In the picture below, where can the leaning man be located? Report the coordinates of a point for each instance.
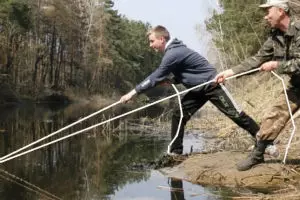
(281, 53)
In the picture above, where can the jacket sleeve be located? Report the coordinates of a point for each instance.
(265, 54)
(166, 66)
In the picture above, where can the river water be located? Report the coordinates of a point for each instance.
(89, 166)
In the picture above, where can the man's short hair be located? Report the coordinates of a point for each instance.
(160, 31)
(284, 4)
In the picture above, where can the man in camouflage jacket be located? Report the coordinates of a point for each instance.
(281, 53)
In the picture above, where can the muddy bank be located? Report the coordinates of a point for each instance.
(270, 180)
(219, 169)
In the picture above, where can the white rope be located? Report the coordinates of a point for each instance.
(243, 73)
(122, 115)
(29, 186)
(109, 120)
(291, 115)
(180, 121)
(58, 131)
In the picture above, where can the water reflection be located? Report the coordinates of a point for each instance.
(87, 166)
(176, 191)
(158, 187)
(91, 165)
(26, 185)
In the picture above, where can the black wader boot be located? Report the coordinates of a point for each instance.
(256, 156)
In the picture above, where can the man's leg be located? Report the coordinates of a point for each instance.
(273, 122)
(191, 102)
(255, 157)
(222, 99)
(275, 119)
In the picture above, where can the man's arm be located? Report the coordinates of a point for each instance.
(158, 76)
(221, 77)
(125, 98)
(264, 54)
(166, 66)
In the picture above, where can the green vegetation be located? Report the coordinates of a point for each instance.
(238, 30)
(86, 47)
(83, 47)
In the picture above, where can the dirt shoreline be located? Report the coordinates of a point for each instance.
(281, 181)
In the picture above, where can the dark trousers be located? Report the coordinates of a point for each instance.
(195, 99)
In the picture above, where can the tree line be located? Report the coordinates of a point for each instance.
(86, 47)
(81, 46)
(239, 29)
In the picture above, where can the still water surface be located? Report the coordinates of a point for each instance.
(89, 166)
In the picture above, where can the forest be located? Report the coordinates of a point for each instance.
(239, 30)
(85, 47)
(70, 47)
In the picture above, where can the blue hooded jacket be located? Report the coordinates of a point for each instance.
(187, 66)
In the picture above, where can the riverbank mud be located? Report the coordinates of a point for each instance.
(269, 180)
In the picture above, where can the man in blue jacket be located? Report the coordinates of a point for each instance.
(190, 69)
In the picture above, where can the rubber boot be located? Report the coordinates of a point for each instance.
(256, 157)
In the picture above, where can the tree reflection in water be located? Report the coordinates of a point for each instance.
(86, 166)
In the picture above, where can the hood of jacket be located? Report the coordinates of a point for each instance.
(174, 44)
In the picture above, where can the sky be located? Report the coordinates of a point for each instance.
(180, 17)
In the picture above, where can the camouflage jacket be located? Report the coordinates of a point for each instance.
(280, 46)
